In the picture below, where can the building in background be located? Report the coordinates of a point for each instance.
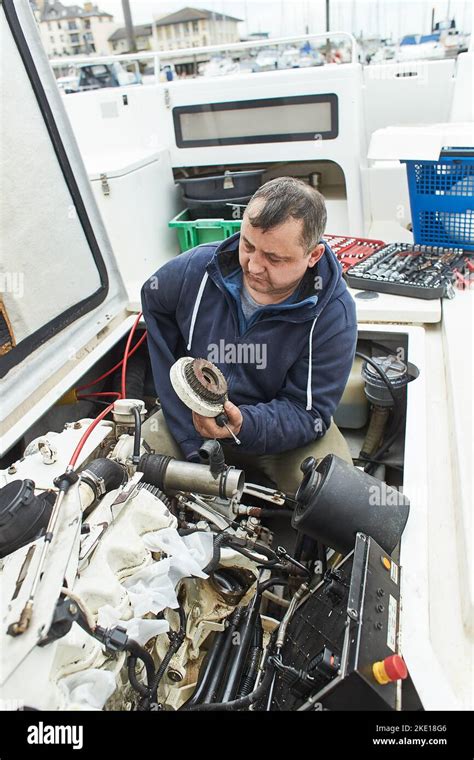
(73, 29)
(118, 41)
(194, 27)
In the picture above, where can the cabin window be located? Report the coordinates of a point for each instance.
(302, 117)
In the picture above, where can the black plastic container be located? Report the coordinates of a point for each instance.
(335, 501)
(227, 186)
(222, 208)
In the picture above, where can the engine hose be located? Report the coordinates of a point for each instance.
(242, 702)
(259, 561)
(391, 438)
(103, 473)
(257, 548)
(216, 554)
(140, 653)
(239, 654)
(137, 435)
(271, 582)
(215, 679)
(178, 639)
(253, 662)
(140, 688)
(375, 431)
(213, 656)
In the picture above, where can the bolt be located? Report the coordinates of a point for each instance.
(380, 592)
(380, 608)
(352, 613)
(77, 426)
(73, 609)
(378, 626)
(12, 469)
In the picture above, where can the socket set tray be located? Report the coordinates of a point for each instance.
(351, 250)
(419, 271)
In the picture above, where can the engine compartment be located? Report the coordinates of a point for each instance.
(169, 585)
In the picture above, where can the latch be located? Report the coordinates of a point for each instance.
(104, 183)
(167, 98)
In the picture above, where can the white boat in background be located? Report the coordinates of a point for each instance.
(91, 192)
(218, 67)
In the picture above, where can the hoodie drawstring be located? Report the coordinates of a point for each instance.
(309, 395)
(197, 304)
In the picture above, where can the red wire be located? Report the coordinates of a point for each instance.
(86, 435)
(109, 408)
(119, 364)
(126, 356)
(93, 395)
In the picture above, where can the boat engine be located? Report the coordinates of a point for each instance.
(135, 581)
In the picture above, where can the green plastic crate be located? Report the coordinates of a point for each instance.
(197, 231)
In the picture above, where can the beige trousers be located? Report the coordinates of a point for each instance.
(283, 469)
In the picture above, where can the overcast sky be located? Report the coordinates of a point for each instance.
(287, 17)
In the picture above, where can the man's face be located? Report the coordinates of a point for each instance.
(273, 262)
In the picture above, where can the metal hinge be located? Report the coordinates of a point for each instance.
(104, 183)
(167, 98)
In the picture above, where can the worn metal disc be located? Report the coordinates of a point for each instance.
(200, 385)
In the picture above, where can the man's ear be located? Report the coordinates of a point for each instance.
(315, 254)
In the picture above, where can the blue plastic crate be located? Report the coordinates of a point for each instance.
(442, 199)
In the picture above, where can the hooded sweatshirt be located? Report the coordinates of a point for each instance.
(286, 368)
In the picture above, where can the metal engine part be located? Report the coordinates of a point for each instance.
(200, 385)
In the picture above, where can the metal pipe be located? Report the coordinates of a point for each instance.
(172, 475)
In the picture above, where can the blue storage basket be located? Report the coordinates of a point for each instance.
(442, 199)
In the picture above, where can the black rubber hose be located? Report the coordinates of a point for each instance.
(253, 661)
(397, 412)
(256, 548)
(207, 669)
(228, 582)
(382, 374)
(215, 679)
(216, 554)
(242, 702)
(271, 582)
(178, 639)
(376, 457)
(239, 654)
(111, 472)
(137, 436)
(140, 688)
(140, 653)
(262, 563)
(276, 512)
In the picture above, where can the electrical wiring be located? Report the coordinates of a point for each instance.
(115, 367)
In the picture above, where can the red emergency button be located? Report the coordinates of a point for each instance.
(393, 668)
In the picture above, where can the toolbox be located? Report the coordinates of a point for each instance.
(352, 250)
(419, 271)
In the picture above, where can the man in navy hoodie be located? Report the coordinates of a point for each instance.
(269, 307)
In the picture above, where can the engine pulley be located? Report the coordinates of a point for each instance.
(200, 385)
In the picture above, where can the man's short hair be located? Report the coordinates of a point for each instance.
(287, 197)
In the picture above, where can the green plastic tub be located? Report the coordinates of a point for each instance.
(197, 231)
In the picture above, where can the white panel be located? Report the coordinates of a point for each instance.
(407, 93)
(463, 102)
(136, 213)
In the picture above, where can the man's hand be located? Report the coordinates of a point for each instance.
(208, 427)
